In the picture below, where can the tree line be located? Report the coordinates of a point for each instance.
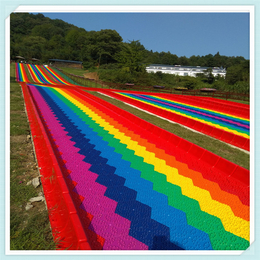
(37, 36)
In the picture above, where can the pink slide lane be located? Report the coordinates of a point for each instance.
(95, 203)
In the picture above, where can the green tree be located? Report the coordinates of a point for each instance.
(76, 39)
(46, 31)
(189, 82)
(209, 76)
(32, 47)
(77, 42)
(194, 60)
(206, 76)
(242, 87)
(184, 61)
(56, 42)
(234, 74)
(103, 45)
(131, 56)
(169, 59)
(209, 60)
(152, 57)
(217, 60)
(22, 23)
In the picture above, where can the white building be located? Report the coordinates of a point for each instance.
(184, 70)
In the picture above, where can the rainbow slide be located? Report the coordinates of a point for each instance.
(232, 127)
(40, 74)
(21, 75)
(132, 184)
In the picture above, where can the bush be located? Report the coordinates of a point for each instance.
(109, 66)
(107, 75)
(124, 77)
(220, 85)
(241, 87)
(88, 65)
(203, 85)
(189, 82)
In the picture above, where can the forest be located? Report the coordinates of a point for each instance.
(39, 37)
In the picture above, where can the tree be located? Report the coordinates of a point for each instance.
(151, 57)
(184, 61)
(22, 23)
(189, 82)
(209, 60)
(217, 60)
(46, 31)
(242, 87)
(77, 41)
(56, 42)
(234, 74)
(104, 45)
(209, 76)
(32, 47)
(131, 56)
(194, 60)
(169, 59)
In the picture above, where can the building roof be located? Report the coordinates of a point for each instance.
(19, 57)
(182, 66)
(69, 61)
(185, 67)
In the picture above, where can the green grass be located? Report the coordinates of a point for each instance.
(18, 118)
(217, 147)
(29, 230)
(19, 176)
(30, 233)
(78, 72)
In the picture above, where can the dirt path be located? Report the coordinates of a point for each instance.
(91, 75)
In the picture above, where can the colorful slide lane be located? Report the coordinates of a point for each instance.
(131, 192)
(40, 74)
(56, 76)
(21, 75)
(224, 106)
(226, 127)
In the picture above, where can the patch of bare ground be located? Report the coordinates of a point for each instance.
(22, 148)
(91, 75)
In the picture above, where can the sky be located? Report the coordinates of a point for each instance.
(183, 34)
